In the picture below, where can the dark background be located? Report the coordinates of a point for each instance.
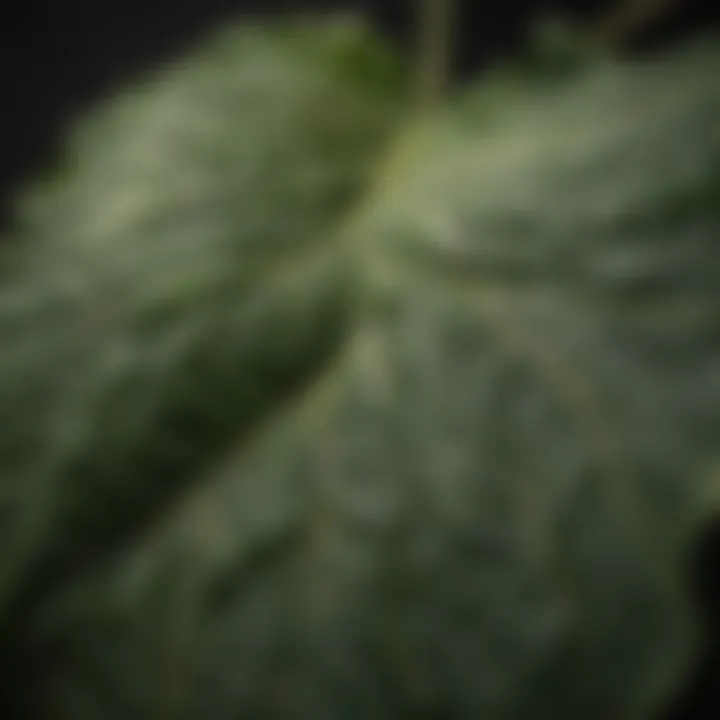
(59, 56)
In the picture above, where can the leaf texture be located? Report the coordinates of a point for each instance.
(481, 503)
(177, 278)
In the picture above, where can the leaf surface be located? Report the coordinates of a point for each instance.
(483, 505)
(177, 277)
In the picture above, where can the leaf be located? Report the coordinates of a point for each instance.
(177, 279)
(500, 484)
(482, 505)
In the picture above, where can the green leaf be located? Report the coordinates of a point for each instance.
(482, 502)
(178, 278)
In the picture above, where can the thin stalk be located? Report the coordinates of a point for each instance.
(629, 18)
(436, 20)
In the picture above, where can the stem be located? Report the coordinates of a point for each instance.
(436, 25)
(628, 18)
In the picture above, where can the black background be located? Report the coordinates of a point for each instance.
(58, 57)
